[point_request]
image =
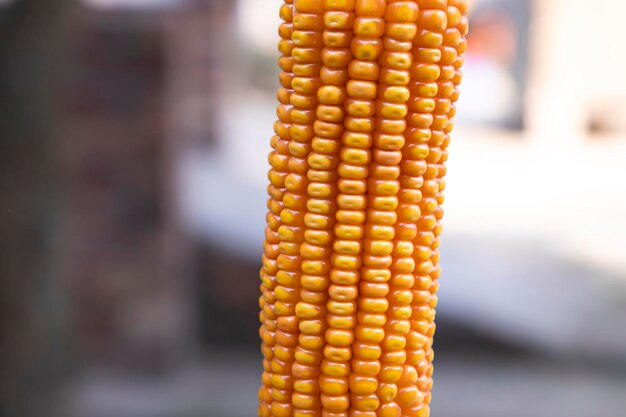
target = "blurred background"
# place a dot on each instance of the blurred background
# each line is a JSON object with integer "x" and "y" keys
{"x": 133, "y": 147}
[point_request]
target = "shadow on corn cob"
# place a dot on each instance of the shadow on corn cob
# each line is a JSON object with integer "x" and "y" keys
{"x": 350, "y": 265}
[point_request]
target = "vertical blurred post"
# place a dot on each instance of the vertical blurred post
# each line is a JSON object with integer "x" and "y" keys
{"x": 33, "y": 351}
{"x": 199, "y": 38}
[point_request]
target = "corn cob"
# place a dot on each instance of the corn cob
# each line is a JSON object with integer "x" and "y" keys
{"x": 350, "y": 267}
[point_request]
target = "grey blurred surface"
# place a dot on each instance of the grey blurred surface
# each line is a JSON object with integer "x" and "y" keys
{"x": 466, "y": 386}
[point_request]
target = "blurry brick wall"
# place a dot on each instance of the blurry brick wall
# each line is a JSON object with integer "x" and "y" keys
{"x": 144, "y": 85}
{"x": 113, "y": 163}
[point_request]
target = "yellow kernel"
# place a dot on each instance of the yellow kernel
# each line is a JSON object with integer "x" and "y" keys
{"x": 365, "y": 403}
{"x": 316, "y": 221}
{"x": 306, "y": 69}
{"x": 395, "y": 94}
{"x": 426, "y": 72}
{"x": 388, "y": 141}
{"x": 348, "y": 231}
{"x": 311, "y": 327}
{"x": 310, "y": 251}
{"x": 338, "y": 337}
{"x": 355, "y": 156}
{"x": 373, "y": 289}
{"x": 327, "y": 129}
{"x": 302, "y": 101}
{"x": 309, "y": 6}
{"x": 372, "y": 27}
{"x": 339, "y": 4}
{"x": 335, "y": 404}
{"x": 377, "y": 261}
{"x": 407, "y": 396}
{"x": 323, "y": 162}
{"x": 390, "y": 374}
{"x": 362, "y": 89}
{"x": 352, "y": 186}
{"x": 286, "y": 12}
{"x": 432, "y": 55}
{"x": 366, "y": 48}
{"x": 313, "y": 283}
{"x": 318, "y": 206}
{"x": 391, "y": 110}
{"x": 350, "y": 216}
{"x": 302, "y": 116}
{"x": 341, "y": 307}
{"x": 385, "y": 203}
{"x": 286, "y": 294}
{"x": 435, "y": 20}
{"x": 334, "y": 369}
{"x": 362, "y": 385}
{"x": 349, "y": 247}
{"x": 370, "y": 8}
{"x": 401, "y": 11}
{"x": 364, "y": 70}
{"x": 343, "y": 261}
{"x": 366, "y": 367}
{"x": 308, "y": 311}
{"x": 335, "y": 57}
{"x": 401, "y": 31}
{"x": 351, "y": 202}
{"x": 378, "y": 247}
{"x": 394, "y": 342}
{"x": 344, "y": 277}
{"x": 337, "y": 353}
{"x": 366, "y": 351}
{"x": 360, "y": 108}
{"x": 331, "y": 94}
{"x": 429, "y": 39}
{"x": 397, "y": 60}
{"x": 338, "y": 19}
{"x": 337, "y": 38}
{"x": 368, "y": 334}
{"x": 307, "y": 357}
{"x": 306, "y": 386}
{"x": 315, "y": 175}
{"x": 359, "y": 124}
{"x": 432, "y": 4}
{"x": 306, "y": 38}
{"x": 329, "y": 114}
{"x": 387, "y": 392}
{"x": 334, "y": 76}
{"x": 341, "y": 322}
{"x": 302, "y": 54}
{"x": 331, "y": 385}
{"x": 382, "y": 187}
{"x": 373, "y": 305}
{"x": 452, "y": 37}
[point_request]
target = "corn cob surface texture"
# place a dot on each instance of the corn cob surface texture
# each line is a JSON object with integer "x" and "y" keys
{"x": 351, "y": 266}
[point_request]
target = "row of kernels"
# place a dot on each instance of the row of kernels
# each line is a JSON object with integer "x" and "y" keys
{"x": 364, "y": 72}
{"x": 309, "y": 312}
{"x": 426, "y": 70}
{"x": 395, "y": 62}
{"x": 305, "y": 82}
{"x": 453, "y": 47}
{"x": 278, "y": 160}
{"x": 442, "y": 109}
{"x": 338, "y": 338}
{"x": 316, "y": 250}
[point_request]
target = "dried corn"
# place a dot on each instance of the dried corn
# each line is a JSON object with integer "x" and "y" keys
{"x": 350, "y": 266}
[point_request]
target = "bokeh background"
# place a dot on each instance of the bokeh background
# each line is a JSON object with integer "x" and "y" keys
{"x": 133, "y": 147}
